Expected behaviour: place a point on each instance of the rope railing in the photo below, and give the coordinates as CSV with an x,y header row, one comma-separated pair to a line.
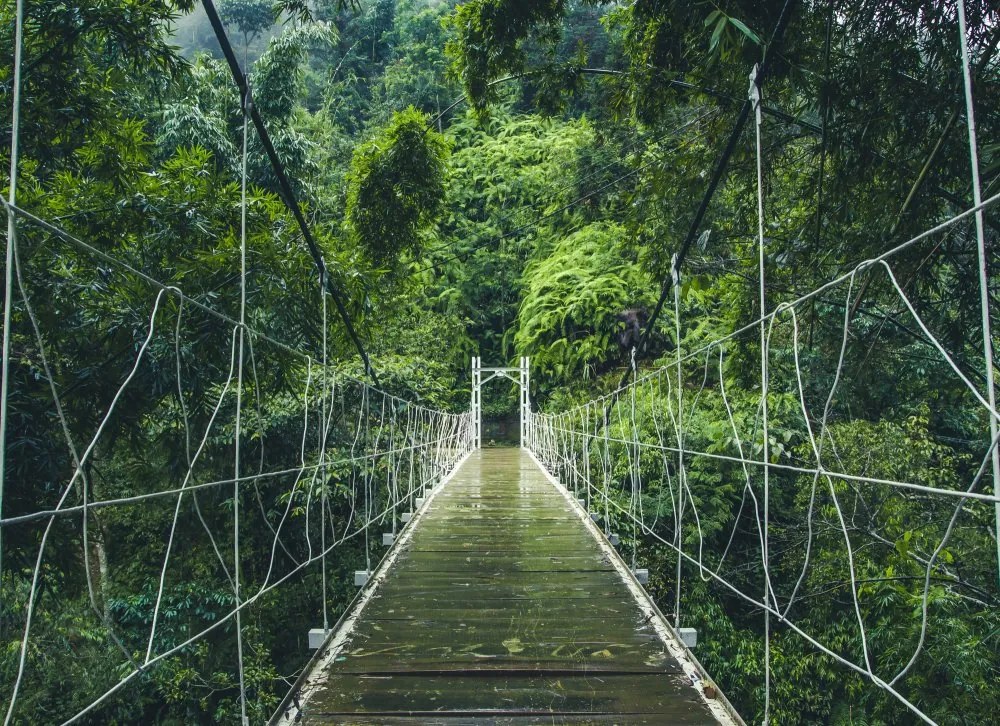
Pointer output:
x,y
361,459
227,440
252,459
669,455
683,458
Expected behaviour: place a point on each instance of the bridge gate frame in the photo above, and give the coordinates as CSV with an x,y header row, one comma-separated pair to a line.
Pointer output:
x,y
523,379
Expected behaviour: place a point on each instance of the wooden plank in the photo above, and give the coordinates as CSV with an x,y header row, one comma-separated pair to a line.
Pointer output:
x,y
501,608
509,695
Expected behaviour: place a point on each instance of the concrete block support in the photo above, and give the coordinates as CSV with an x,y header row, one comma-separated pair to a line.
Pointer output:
x,y
689,636
317,636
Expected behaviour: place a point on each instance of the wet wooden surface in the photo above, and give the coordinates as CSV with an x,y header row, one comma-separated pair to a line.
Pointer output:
x,y
502,608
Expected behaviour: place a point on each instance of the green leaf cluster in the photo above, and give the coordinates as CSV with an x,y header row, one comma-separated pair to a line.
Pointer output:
x,y
569,315
395,186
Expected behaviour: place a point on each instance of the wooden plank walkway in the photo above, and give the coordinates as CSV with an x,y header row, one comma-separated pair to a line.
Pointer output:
x,y
501,606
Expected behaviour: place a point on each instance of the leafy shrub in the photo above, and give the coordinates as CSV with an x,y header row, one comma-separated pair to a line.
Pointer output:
x,y
569,314
396,186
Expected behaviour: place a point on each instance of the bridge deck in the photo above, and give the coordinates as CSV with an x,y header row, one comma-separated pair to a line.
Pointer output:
x,y
502,607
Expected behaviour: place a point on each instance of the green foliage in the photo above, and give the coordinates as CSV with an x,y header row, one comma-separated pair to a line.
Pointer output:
x,y
396,186
417,73
202,114
276,75
500,211
350,74
251,17
528,239
489,34
573,297
89,62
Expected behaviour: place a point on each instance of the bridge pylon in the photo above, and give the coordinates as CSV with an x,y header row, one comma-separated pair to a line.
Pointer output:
x,y
520,375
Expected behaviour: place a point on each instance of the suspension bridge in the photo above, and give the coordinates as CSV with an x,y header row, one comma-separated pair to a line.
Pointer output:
x,y
494,585
504,601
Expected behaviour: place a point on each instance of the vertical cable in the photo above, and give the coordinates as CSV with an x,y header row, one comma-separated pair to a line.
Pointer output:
x,y
11,233
634,466
586,454
322,453
368,484
675,273
239,405
755,99
392,500
984,296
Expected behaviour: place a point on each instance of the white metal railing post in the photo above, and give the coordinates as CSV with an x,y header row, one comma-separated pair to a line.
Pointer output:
x,y
524,401
479,402
477,411
527,391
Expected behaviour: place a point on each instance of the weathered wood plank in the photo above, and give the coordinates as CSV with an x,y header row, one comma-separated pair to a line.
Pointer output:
x,y
502,608
508,694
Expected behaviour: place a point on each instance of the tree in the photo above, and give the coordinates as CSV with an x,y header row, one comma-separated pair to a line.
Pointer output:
x,y
573,299
396,186
251,17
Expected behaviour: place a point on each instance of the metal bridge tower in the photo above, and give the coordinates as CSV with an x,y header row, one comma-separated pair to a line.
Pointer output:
x,y
523,379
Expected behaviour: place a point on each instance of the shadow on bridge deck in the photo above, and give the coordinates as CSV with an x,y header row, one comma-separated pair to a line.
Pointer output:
x,y
501,606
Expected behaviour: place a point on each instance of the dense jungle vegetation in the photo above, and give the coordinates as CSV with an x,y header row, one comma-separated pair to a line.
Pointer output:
x,y
503,178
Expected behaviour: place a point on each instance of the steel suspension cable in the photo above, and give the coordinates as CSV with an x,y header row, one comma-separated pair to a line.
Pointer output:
x,y
287,192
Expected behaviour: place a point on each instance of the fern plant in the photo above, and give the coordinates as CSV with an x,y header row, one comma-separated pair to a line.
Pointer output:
x,y
568,319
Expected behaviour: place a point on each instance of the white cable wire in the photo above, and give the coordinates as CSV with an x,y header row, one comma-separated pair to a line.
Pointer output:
x,y
37,572
790,624
238,433
984,295
679,433
324,432
823,433
833,492
755,99
180,497
15,139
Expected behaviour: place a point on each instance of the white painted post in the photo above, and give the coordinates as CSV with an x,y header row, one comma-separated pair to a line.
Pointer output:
x,y
521,402
525,382
477,401
472,405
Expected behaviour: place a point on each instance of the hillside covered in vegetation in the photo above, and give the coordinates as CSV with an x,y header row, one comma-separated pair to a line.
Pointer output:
x,y
504,178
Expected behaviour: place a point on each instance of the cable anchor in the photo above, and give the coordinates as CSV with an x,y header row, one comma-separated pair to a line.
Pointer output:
x,y
754,92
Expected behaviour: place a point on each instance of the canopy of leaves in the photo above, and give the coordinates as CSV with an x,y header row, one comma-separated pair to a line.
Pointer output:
x,y
529,238
569,315
488,34
501,210
396,185
250,17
